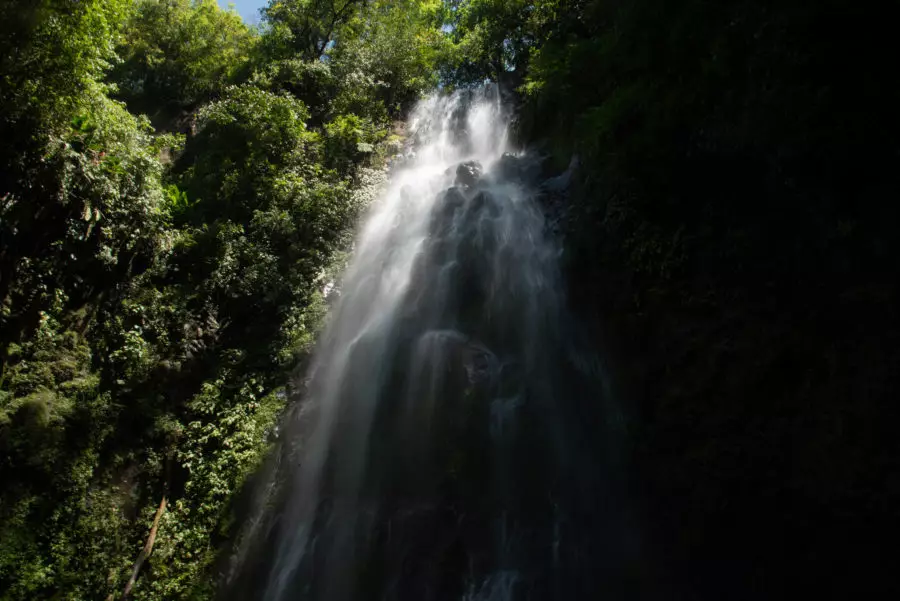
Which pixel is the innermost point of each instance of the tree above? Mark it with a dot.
(179, 53)
(157, 290)
(493, 39)
(387, 54)
(306, 28)
(79, 170)
(266, 215)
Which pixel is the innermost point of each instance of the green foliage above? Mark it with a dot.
(310, 81)
(53, 416)
(64, 154)
(177, 201)
(348, 139)
(387, 57)
(177, 53)
(53, 53)
(157, 290)
(222, 442)
(372, 58)
(277, 217)
(666, 104)
(305, 28)
(88, 214)
(775, 128)
(494, 39)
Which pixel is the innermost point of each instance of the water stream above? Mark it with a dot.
(453, 443)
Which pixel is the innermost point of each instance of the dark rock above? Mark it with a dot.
(482, 205)
(511, 168)
(526, 170)
(468, 173)
(564, 180)
(448, 203)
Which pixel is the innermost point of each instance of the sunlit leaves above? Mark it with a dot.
(277, 216)
(155, 289)
(177, 53)
(386, 57)
(305, 28)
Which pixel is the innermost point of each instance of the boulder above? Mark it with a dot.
(468, 174)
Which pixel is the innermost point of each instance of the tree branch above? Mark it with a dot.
(145, 552)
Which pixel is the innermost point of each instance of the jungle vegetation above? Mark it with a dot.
(177, 187)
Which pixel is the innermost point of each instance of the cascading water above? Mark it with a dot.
(451, 444)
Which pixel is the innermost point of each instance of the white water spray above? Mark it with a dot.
(434, 431)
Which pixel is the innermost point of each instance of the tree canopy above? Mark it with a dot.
(159, 283)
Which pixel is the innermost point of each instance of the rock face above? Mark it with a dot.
(515, 168)
(555, 197)
(552, 192)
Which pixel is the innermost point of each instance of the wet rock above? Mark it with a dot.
(525, 170)
(480, 363)
(510, 168)
(445, 208)
(563, 181)
(555, 198)
(468, 173)
(483, 204)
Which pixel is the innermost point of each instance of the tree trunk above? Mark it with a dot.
(145, 552)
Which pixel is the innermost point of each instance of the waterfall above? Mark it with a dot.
(451, 443)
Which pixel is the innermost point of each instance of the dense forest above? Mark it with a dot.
(177, 188)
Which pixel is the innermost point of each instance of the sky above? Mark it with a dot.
(249, 9)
